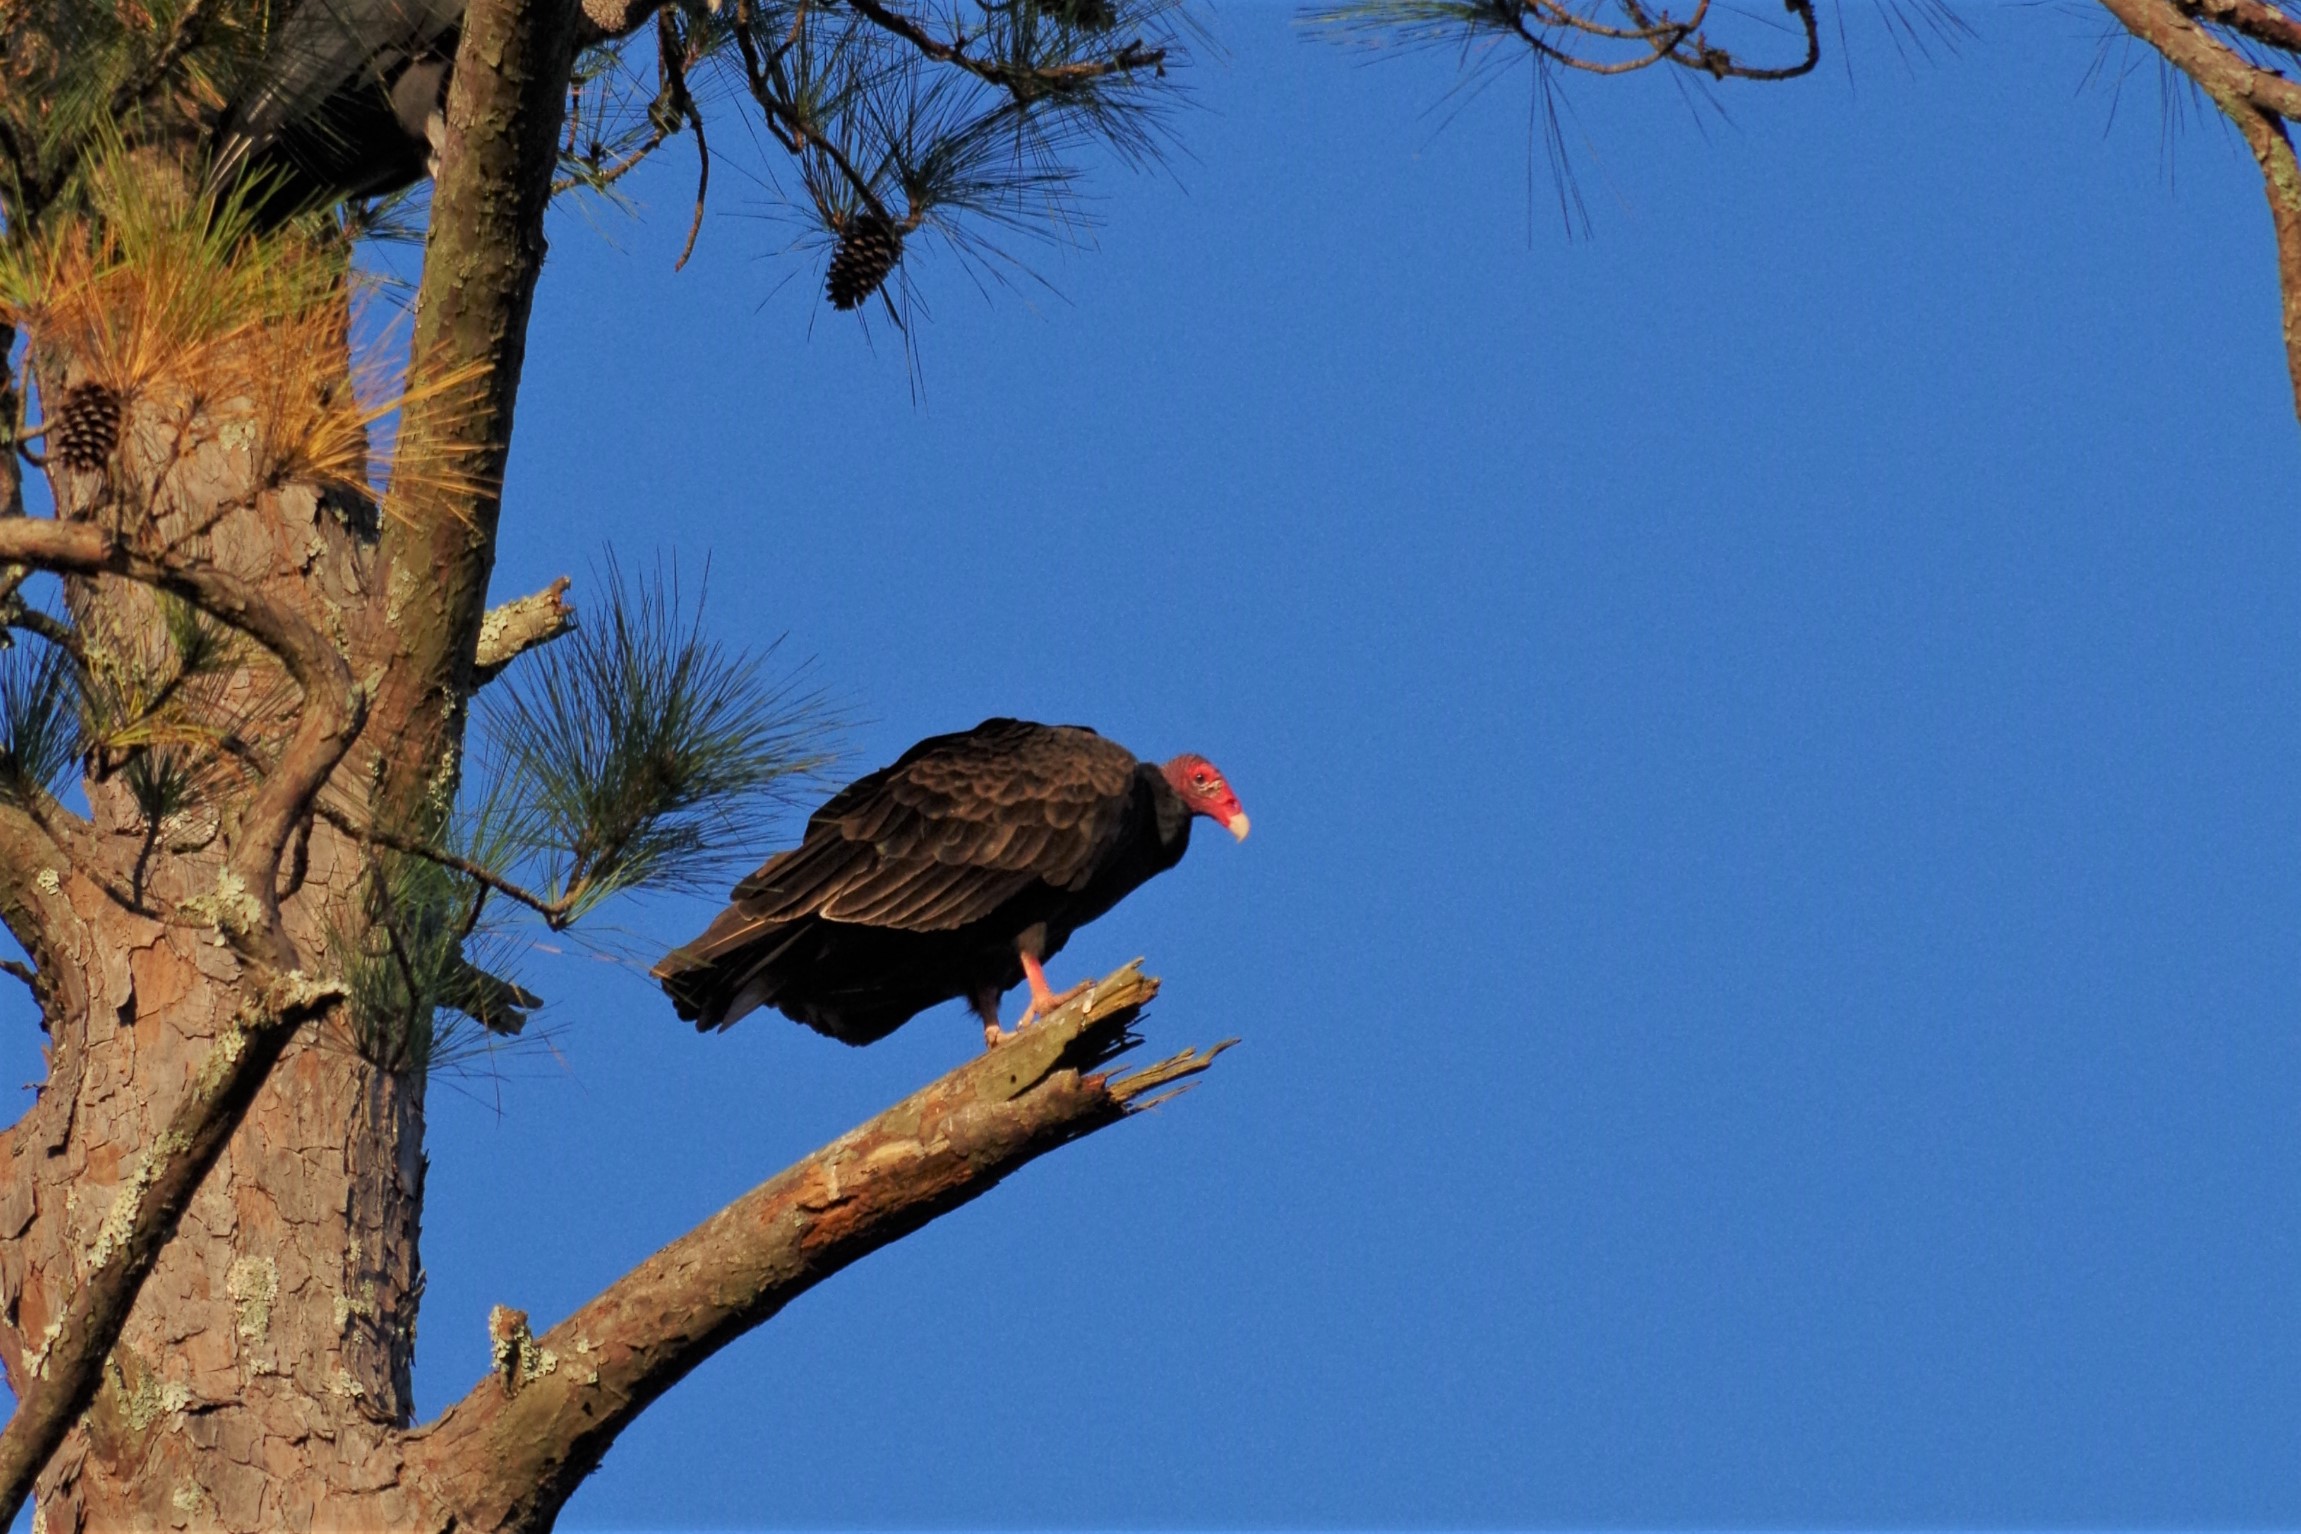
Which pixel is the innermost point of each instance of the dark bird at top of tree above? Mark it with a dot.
(347, 101)
(955, 872)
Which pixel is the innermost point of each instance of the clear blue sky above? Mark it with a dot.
(1768, 957)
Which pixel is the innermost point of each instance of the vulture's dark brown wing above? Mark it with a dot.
(953, 830)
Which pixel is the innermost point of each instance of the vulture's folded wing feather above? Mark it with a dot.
(793, 884)
(927, 897)
(953, 830)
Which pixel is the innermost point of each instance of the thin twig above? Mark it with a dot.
(557, 914)
(794, 132)
(671, 49)
(1549, 29)
(14, 614)
(479, 894)
(702, 190)
(1021, 79)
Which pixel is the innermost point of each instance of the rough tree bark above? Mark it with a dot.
(210, 1218)
(282, 1313)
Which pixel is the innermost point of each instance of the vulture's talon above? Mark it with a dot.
(1044, 1001)
(1044, 1007)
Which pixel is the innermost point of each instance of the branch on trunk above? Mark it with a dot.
(513, 628)
(2259, 102)
(247, 906)
(83, 548)
(61, 1378)
(482, 254)
(511, 1452)
(558, 914)
(2257, 19)
(16, 615)
(32, 900)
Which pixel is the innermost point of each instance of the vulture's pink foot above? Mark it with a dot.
(1043, 996)
(1042, 1006)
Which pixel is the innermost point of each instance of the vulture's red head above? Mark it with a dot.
(1203, 788)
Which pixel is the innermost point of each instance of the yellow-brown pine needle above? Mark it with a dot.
(163, 296)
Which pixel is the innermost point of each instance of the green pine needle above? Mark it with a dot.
(427, 992)
(637, 753)
(40, 736)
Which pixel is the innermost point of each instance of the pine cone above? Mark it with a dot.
(85, 427)
(869, 247)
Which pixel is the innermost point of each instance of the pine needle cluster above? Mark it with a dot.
(972, 121)
(150, 287)
(173, 714)
(640, 753)
(78, 77)
(178, 723)
(39, 721)
(633, 754)
(425, 978)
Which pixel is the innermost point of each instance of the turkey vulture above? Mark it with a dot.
(952, 873)
(346, 103)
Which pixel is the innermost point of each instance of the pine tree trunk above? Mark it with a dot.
(265, 1365)
(261, 1379)
(267, 1358)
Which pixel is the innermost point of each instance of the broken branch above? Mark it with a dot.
(510, 1453)
(513, 628)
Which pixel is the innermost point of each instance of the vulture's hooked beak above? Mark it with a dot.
(1236, 825)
